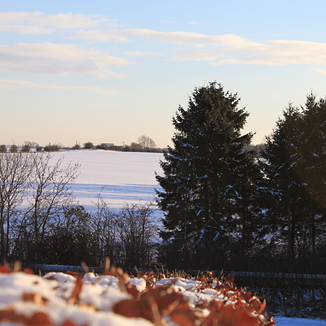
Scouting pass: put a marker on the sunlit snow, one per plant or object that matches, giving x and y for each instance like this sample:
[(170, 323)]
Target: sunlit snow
[(120, 177)]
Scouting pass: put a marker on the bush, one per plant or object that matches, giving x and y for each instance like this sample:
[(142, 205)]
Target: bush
[(26, 148), (51, 148), (88, 145), (102, 146), (13, 149)]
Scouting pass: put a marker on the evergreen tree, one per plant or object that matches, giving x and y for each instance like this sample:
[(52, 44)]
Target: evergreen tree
[(204, 174), (312, 171), (313, 165), (284, 195), (294, 167)]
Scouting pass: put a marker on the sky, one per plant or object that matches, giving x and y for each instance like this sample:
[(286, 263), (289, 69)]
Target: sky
[(110, 71)]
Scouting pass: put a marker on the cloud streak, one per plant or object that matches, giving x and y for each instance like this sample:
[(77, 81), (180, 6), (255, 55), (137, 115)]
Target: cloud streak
[(39, 22), (190, 46), (57, 59), (276, 52), (19, 84), (222, 49), (167, 37)]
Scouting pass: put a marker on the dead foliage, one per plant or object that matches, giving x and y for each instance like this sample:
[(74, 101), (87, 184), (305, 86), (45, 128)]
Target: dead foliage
[(160, 304)]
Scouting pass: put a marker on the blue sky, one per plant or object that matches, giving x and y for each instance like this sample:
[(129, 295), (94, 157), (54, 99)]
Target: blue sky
[(109, 71)]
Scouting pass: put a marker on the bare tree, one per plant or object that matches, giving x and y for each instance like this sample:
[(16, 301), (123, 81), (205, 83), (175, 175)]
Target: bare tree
[(137, 231), (28, 145), (26, 148), (15, 169), (31, 144), (134, 147), (105, 231), (146, 143), (76, 240), (49, 195)]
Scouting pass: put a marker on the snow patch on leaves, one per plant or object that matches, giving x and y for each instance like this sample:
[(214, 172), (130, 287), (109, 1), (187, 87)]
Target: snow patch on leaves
[(115, 298)]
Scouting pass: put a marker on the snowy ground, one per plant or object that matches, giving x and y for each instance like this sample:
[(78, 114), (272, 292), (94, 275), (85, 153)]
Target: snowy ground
[(120, 177), (282, 321), (128, 177), (60, 299)]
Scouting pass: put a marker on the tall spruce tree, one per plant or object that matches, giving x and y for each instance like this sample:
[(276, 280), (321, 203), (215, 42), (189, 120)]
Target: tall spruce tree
[(294, 167), (204, 176), (312, 173), (283, 192), (312, 170)]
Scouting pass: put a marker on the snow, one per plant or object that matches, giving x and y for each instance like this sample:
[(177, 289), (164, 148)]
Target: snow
[(283, 321), (23, 295), (53, 291), (120, 178)]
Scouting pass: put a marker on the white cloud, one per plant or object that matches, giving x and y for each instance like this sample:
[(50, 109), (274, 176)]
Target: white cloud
[(321, 71), (275, 52), (168, 37), (25, 29), (12, 20), (136, 53), (16, 84), (215, 49), (101, 36), (140, 54), (222, 49), (59, 59)]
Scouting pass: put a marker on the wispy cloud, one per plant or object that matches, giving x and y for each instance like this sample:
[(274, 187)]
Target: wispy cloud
[(223, 49), (168, 37), (275, 52), (140, 54), (58, 59), (214, 49), (40, 23), (25, 29), (321, 71), (18, 84)]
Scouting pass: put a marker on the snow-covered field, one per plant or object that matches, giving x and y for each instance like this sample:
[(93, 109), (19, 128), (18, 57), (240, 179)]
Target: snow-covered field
[(128, 177), (120, 177)]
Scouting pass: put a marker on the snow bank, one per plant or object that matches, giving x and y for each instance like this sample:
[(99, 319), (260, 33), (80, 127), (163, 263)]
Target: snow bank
[(70, 299)]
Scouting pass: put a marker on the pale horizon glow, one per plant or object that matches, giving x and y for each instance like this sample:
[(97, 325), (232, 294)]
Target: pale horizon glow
[(109, 72)]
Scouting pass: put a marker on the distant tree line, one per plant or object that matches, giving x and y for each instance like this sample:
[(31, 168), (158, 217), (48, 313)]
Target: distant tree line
[(228, 206), (144, 144)]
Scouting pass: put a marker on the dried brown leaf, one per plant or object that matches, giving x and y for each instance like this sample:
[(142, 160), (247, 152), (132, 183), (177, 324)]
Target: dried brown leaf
[(228, 316), (183, 315), (74, 296), (34, 298), (150, 305), (5, 269)]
